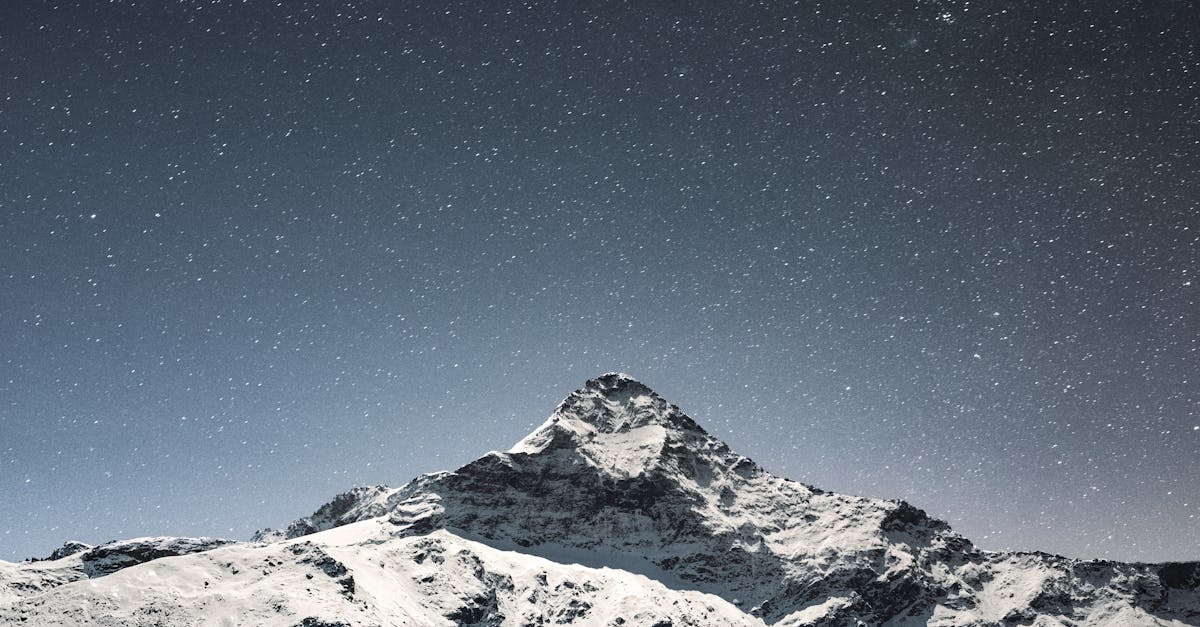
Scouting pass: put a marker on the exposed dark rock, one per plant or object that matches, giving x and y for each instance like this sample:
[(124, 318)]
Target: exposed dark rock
[(68, 549), (317, 622), (113, 556), (356, 504), (316, 557), (1182, 575)]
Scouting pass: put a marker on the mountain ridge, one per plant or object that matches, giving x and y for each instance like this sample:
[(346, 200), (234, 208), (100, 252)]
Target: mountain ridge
[(618, 479)]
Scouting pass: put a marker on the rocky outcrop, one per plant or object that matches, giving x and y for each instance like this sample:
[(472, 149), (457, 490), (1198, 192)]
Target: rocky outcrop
[(69, 548), (114, 556)]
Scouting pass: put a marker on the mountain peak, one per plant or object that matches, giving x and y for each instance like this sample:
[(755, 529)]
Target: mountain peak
[(617, 403), (615, 383), (617, 423)]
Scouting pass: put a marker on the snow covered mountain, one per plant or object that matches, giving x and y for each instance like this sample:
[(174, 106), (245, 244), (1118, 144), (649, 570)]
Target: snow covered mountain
[(618, 510)]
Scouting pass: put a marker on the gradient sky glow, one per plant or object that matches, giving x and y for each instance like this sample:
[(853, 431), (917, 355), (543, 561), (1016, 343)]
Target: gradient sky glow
[(254, 255)]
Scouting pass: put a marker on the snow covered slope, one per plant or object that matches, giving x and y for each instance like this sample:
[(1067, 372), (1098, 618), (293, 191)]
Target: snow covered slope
[(619, 510), (365, 574)]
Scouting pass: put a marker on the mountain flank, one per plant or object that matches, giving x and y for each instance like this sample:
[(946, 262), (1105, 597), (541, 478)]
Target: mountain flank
[(618, 510)]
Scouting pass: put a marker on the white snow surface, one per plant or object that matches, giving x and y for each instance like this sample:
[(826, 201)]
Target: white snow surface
[(362, 574), (618, 510)]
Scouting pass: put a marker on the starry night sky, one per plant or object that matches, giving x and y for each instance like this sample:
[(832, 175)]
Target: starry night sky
[(254, 255)]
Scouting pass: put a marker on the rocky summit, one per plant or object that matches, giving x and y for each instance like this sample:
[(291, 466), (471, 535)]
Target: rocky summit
[(618, 510)]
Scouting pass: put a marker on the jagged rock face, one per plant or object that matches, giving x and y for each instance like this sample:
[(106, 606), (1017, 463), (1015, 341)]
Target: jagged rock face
[(357, 504), (618, 510), (353, 505)]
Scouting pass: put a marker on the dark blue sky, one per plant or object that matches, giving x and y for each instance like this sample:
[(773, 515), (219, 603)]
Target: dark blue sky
[(254, 255)]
